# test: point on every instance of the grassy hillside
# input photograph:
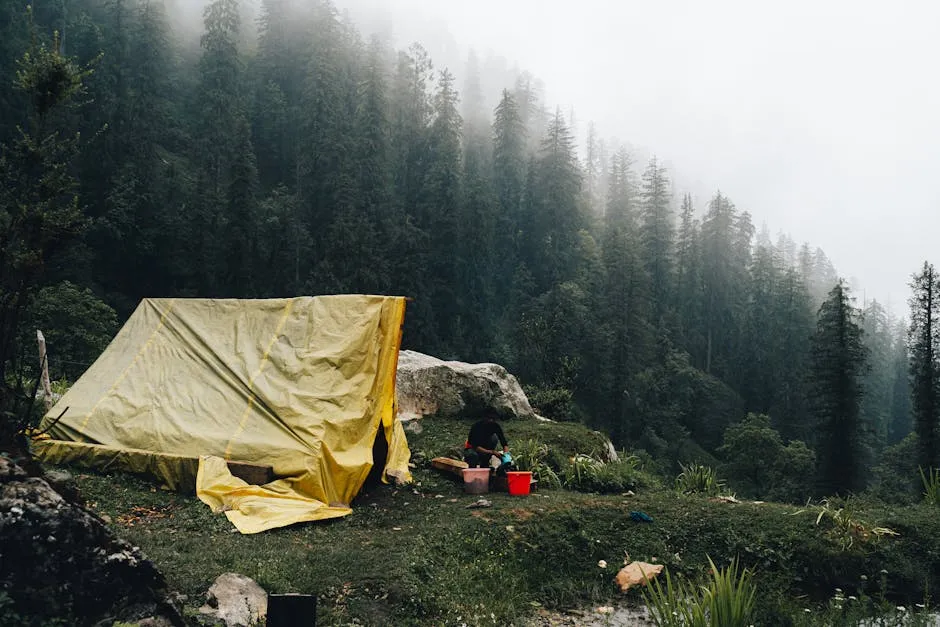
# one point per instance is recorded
(418, 556)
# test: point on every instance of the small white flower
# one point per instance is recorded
(852, 598)
(884, 572)
(920, 606)
(807, 610)
(901, 608)
(864, 577)
(601, 563)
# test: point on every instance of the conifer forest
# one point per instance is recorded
(282, 152)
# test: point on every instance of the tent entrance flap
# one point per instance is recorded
(303, 385)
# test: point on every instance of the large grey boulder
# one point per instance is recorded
(235, 600)
(58, 561)
(427, 386)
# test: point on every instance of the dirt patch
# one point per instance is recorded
(521, 514)
(595, 617)
(138, 515)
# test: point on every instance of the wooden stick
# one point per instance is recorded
(44, 371)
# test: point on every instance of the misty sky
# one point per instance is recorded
(820, 118)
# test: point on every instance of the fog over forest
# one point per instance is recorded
(819, 119)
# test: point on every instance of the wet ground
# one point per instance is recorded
(602, 616)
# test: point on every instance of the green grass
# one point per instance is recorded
(698, 479)
(725, 598)
(931, 483)
(417, 555)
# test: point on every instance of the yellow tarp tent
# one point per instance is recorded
(299, 384)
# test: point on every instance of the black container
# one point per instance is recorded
(292, 610)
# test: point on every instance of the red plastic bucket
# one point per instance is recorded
(519, 482)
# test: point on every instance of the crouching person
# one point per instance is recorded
(482, 444)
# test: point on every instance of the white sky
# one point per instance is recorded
(820, 118)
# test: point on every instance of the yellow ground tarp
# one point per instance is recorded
(299, 384)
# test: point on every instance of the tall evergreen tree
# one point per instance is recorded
(924, 346)
(221, 112)
(688, 293)
(509, 174)
(657, 235)
(39, 208)
(899, 425)
(879, 380)
(554, 211)
(438, 212)
(840, 360)
(719, 276)
(626, 306)
(794, 326)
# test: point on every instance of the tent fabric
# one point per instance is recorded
(299, 384)
(177, 472)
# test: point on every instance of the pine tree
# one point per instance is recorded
(595, 172)
(438, 212)
(626, 306)
(688, 292)
(719, 276)
(140, 226)
(899, 424)
(554, 214)
(410, 119)
(221, 111)
(759, 369)
(657, 235)
(477, 257)
(794, 325)
(878, 381)
(839, 365)
(372, 154)
(39, 208)
(326, 171)
(924, 346)
(281, 65)
(241, 217)
(509, 173)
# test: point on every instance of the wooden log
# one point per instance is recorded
(453, 466)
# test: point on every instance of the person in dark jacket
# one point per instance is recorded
(482, 443)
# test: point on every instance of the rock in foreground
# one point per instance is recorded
(59, 561)
(235, 601)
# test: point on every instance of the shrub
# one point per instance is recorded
(698, 479)
(586, 473)
(895, 473)
(726, 599)
(553, 401)
(530, 455)
(931, 482)
(761, 466)
(77, 325)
